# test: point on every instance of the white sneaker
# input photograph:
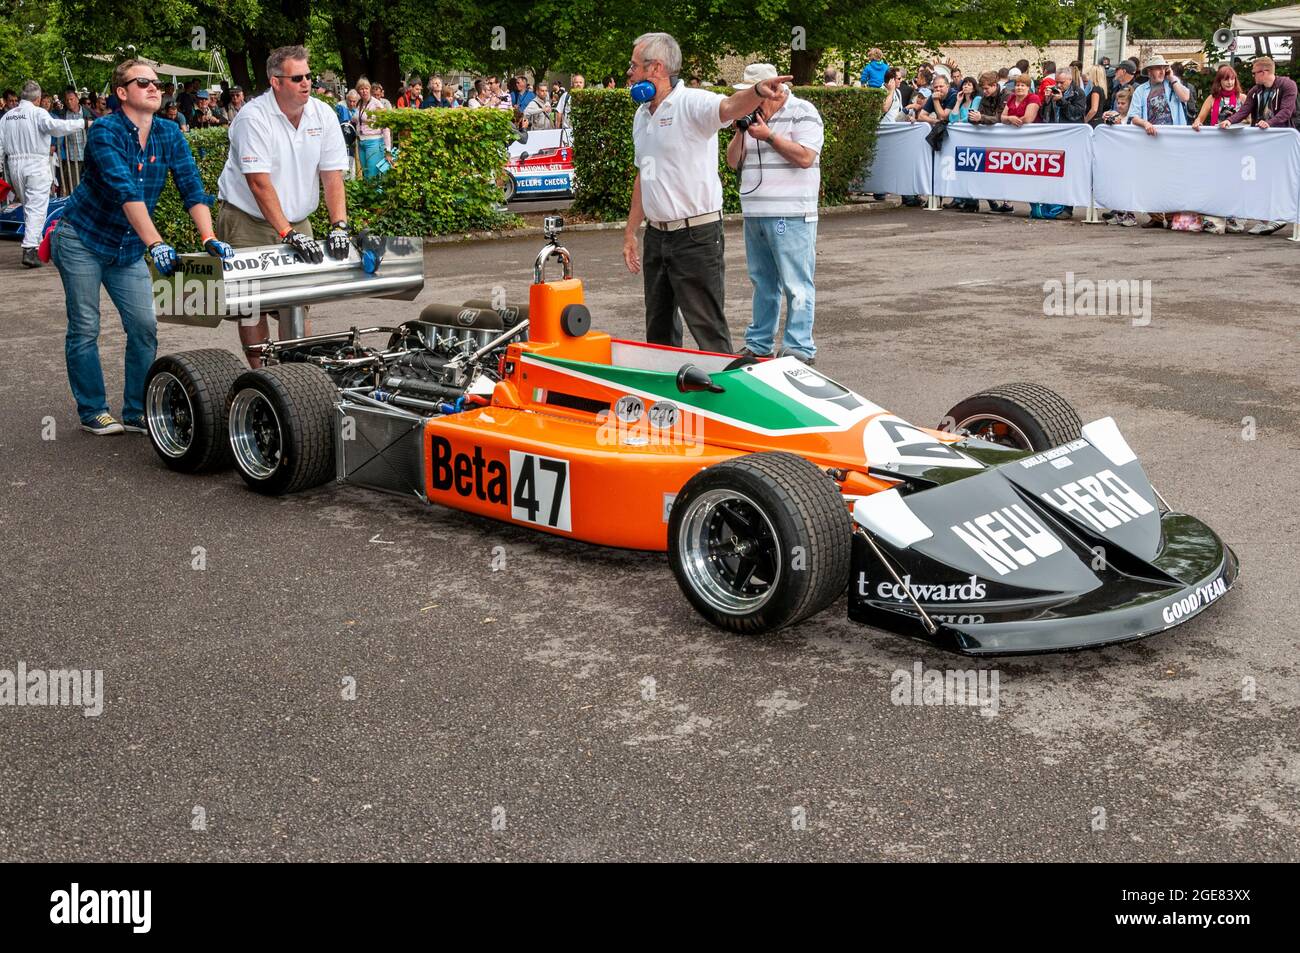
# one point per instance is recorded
(101, 425)
(1211, 228)
(1267, 228)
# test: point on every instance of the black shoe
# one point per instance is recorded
(954, 204)
(30, 258)
(746, 352)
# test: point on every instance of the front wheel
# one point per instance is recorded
(760, 542)
(282, 428)
(1019, 416)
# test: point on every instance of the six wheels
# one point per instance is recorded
(760, 542)
(185, 408)
(1022, 416)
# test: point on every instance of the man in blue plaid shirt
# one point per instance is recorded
(106, 232)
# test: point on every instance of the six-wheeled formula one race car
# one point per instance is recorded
(1011, 529)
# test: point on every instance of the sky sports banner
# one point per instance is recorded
(903, 161)
(1051, 163)
(1250, 173)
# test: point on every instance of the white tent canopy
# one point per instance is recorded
(1279, 20)
(162, 69)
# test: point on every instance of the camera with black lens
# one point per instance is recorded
(744, 122)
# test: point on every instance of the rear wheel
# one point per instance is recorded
(184, 408)
(760, 542)
(282, 428)
(1020, 416)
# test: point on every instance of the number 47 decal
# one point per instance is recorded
(539, 490)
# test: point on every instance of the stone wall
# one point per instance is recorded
(974, 56)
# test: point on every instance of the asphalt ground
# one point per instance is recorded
(511, 714)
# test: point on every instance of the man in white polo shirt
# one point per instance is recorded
(284, 145)
(780, 179)
(678, 193)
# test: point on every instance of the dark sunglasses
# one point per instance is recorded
(296, 78)
(145, 82)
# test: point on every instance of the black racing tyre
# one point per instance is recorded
(760, 542)
(281, 423)
(1023, 416)
(510, 188)
(185, 408)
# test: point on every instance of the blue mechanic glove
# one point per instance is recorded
(163, 257)
(218, 249)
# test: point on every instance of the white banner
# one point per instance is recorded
(903, 161)
(1039, 163)
(1250, 173)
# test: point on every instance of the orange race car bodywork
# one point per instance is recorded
(772, 488)
(589, 465)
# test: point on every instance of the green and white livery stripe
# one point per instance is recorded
(772, 397)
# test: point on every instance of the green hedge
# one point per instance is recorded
(446, 177)
(605, 164)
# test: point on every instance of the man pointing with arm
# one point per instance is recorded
(678, 194)
(284, 145)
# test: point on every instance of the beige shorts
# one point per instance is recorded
(238, 229)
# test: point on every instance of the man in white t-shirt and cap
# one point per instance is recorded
(284, 145)
(678, 193)
(777, 154)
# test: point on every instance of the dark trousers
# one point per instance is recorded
(684, 269)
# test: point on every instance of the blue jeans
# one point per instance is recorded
(130, 289)
(782, 256)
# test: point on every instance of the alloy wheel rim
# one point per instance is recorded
(731, 555)
(169, 415)
(256, 436)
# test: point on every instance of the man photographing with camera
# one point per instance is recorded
(284, 145)
(678, 194)
(776, 149)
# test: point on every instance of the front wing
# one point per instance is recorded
(1063, 550)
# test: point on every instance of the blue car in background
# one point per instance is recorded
(11, 217)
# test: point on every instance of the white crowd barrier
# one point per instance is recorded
(1046, 163)
(902, 164)
(1243, 172)
(1249, 173)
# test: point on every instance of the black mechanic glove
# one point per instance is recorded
(338, 241)
(307, 249)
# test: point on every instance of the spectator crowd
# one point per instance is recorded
(1149, 97)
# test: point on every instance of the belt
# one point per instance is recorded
(679, 223)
